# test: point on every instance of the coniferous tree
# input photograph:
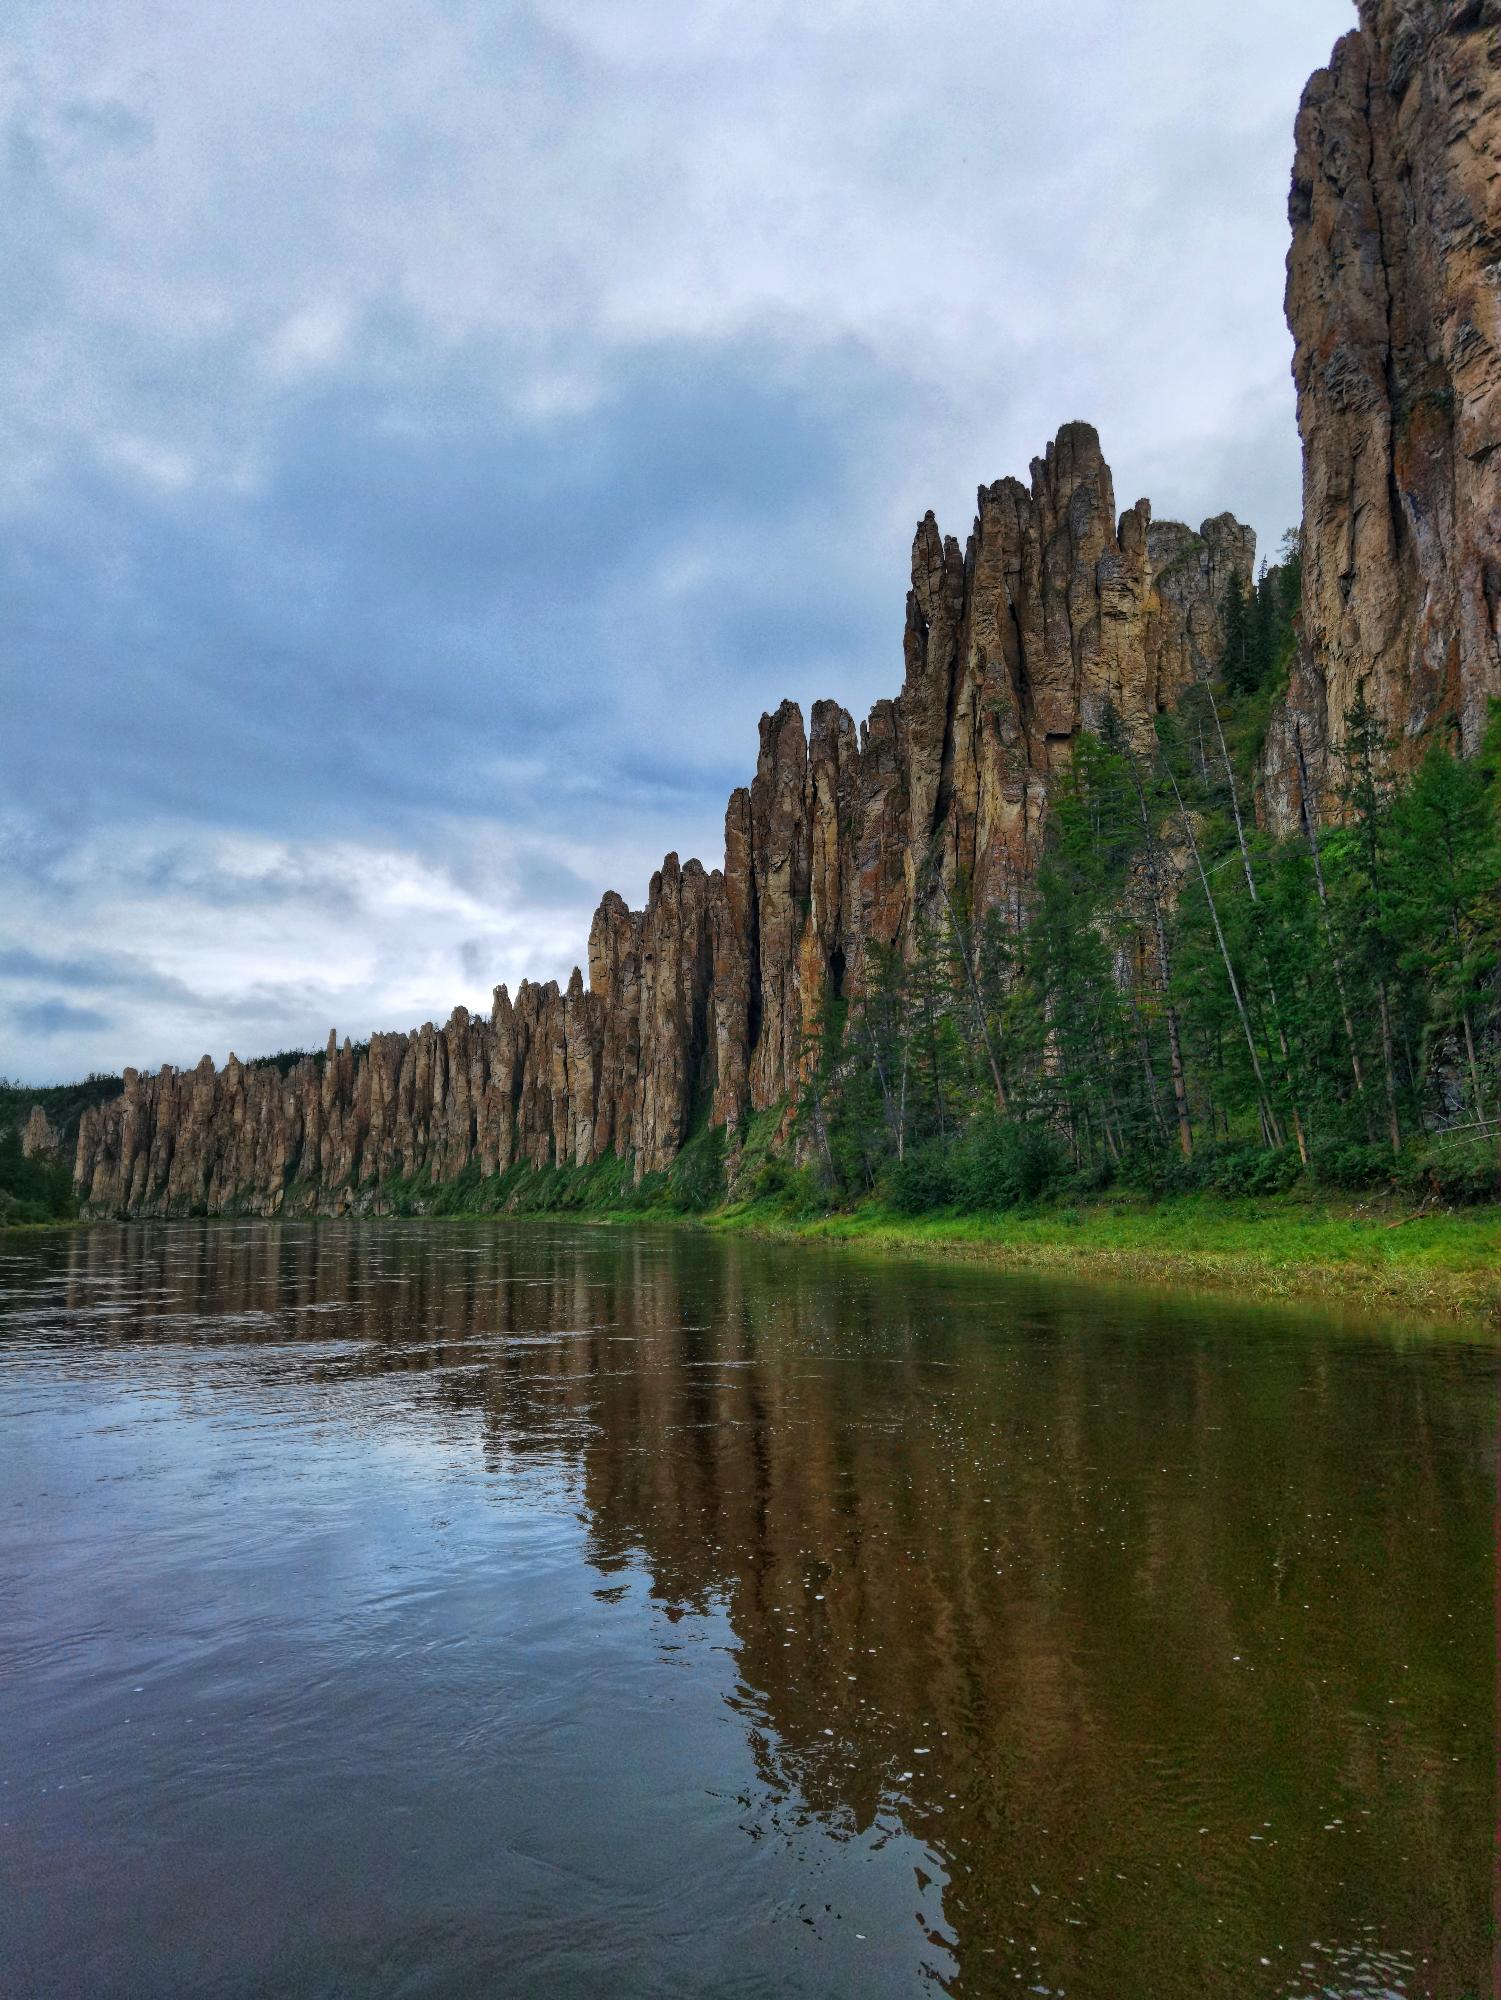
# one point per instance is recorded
(1237, 664)
(1171, 966)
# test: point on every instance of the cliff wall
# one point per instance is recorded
(1394, 301)
(1054, 613)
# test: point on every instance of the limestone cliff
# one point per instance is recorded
(1394, 301)
(1055, 613)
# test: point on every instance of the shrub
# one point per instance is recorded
(923, 1178)
(36, 1190)
(696, 1179)
(1462, 1171)
(1230, 1167)
(1348, 1164)
(1001, 1165)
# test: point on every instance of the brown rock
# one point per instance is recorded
(1394, 300)
(37, 1136)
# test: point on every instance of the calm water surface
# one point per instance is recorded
(420, 1609)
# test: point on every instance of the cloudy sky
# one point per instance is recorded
(430, 437)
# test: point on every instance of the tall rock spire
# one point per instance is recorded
(1394, 301)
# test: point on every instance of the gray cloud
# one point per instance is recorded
(44, 1019)
(427, 445)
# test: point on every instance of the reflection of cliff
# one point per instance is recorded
(1119, 1577)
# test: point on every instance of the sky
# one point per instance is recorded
(431, 436)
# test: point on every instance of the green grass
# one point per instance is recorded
(1375, 1253)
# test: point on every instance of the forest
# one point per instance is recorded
(1186, 1003)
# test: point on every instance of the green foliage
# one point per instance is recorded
(1238, 654)
(35, 1190)
(41, 1189)
(1176, 1006)
(693, 1184)
(696, 1179)
(1229, 1168)
(64, 1103)
(995, 1164)
(1260, 623)
(1182, 1005)
(923, 1178)
(286, 1060)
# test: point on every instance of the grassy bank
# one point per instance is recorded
(1378, 1251)
(1377, 1254)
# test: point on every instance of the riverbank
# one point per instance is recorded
(1376, 1252)
(1443, 1264)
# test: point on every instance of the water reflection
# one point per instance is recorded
(1139, 1649)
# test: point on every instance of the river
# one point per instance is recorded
(518, 1609)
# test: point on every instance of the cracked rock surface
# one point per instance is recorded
(1394, 301)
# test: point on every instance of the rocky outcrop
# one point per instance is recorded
(1056, 615)
(1394, 300)
(37, 1135)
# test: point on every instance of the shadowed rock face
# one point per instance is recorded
(38, 1138)
(1394, 300)
(1053, 615)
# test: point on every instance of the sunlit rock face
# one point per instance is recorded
(1394, 300)
(1055, 614)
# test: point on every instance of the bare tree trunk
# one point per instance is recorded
(1298, 1133)
(823, 1131)
(901, 1123)
(1464, 1015)
(1153, 1095)
(974, 987)
(1240, 831)
(1250, 873)
(1268, 1116)
(1387, 1068)
(1164, 968)
(935, 1065)
(1310, 827)
(875, 1051)
(1175, 1058)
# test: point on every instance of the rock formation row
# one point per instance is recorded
(1057, 612)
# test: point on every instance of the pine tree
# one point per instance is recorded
(1236, 661)
(1446, 863)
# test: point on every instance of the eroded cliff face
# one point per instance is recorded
(1394, 300)
(1055, 614)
